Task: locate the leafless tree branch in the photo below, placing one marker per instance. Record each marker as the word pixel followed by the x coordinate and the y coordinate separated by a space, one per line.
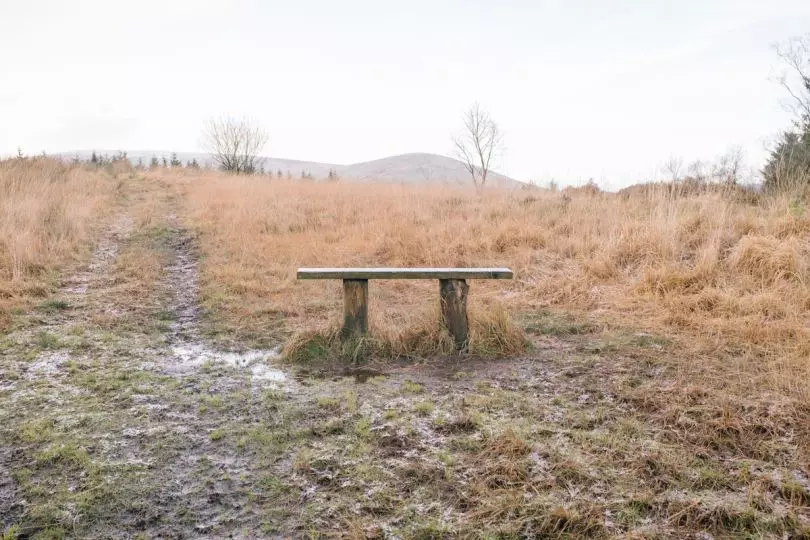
pixel 795 54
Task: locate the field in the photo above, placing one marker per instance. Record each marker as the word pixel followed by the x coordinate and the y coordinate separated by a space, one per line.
pixel 163 373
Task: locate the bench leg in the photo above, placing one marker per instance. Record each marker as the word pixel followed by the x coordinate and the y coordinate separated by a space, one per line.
pixel 453 294
pixel 355 307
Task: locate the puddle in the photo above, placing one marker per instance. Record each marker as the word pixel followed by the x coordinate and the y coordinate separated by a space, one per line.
pixel 191 356
pixel 187 352
pixel 265 373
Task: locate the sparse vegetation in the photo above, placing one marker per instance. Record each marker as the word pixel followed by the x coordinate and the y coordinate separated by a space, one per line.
pixel 48 210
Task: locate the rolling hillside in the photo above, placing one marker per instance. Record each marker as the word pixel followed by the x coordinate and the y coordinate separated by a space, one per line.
pixel 416 168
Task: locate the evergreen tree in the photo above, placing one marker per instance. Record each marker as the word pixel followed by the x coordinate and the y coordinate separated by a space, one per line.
pixel 788 165
pixel 165 162
pixel 154 164
pixel 174 161
pixel 94 158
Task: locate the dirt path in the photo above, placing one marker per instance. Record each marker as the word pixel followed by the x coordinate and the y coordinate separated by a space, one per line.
pixel 113 399
pixel 74 292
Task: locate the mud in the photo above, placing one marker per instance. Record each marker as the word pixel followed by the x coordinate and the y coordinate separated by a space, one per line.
pixel 188 351
pixel 103 256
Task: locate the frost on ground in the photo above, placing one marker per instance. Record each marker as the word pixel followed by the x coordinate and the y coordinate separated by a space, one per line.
pixel 103 256
pixel 46 364
pixel 187 358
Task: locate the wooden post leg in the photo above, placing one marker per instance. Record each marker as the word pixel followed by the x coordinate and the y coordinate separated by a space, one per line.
pixel 453 294
pixel 355 307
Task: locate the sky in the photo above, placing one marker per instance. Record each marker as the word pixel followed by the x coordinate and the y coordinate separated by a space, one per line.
pixel 602 89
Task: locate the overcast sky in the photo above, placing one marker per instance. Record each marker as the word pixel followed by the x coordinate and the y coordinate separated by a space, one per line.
pixel 607 89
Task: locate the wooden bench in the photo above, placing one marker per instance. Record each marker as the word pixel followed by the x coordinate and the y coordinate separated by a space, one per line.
pixel 453 290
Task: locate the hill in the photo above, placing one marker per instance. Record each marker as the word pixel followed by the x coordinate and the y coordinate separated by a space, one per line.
pixel 418 168
pixel 414 168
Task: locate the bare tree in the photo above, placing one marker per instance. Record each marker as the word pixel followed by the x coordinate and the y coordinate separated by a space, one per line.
pixel 729 167
pixel 234 145
pixel 697 171
pixel 478 145
pixel 795 54
pixel 673 167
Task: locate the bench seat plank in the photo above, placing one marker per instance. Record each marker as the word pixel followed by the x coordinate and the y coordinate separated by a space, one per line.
pixel 404 273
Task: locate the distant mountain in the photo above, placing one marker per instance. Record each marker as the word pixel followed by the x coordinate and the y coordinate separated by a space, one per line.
pixel 419 168
pixel 416 168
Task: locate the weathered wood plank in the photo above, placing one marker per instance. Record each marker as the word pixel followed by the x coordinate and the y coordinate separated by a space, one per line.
pixel 453 293
pixel 355 307
pixel 404 273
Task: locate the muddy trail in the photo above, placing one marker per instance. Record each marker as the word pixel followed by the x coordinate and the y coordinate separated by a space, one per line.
pixel 45 364
pixel 111 401
pixel 118 419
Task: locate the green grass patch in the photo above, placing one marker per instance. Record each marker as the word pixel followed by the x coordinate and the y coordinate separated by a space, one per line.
pixel 53 305
pixel 554 324
pixel 47 341
pixel 424 408
pixel 410 387
pixel 165 316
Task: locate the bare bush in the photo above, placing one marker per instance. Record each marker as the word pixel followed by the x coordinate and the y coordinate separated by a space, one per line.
pixel 234 145
pixel 673 167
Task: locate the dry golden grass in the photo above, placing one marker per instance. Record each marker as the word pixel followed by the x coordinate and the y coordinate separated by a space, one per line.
pixel 721 275
pixel 49 212
pixel 666 396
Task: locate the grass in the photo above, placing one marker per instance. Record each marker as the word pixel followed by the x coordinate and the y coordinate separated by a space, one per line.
pixel 54 305
pixel 720 272
pixel 424 408
pixel 643 376
pixel 48 217
pixel 697 302
pixel 45 340
pixel 492 335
